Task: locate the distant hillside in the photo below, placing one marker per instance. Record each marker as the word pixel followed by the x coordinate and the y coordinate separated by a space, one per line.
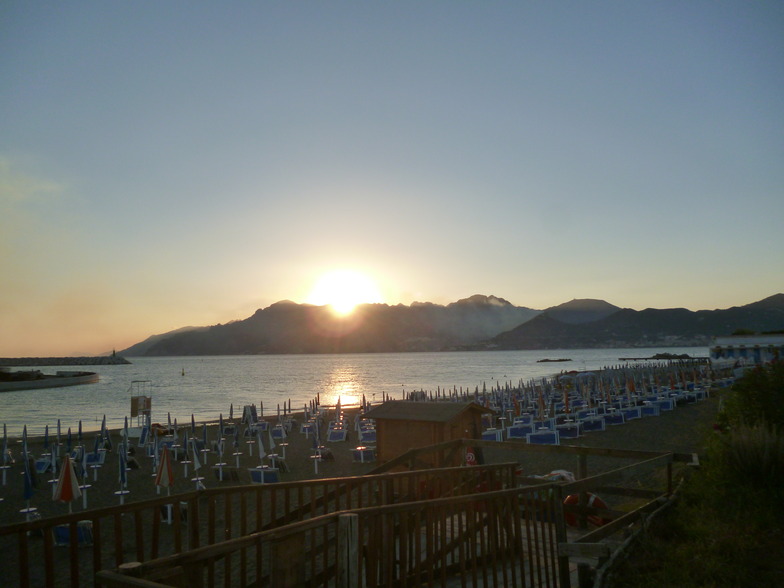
pixel 287 327
pixel 141 349
pixel 585 310
pixel 477 323
pixel 645 328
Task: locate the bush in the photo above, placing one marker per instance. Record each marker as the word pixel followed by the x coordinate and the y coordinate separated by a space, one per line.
pixel 758 397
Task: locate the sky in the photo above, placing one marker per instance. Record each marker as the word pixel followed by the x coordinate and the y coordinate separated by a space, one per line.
pixel 171 164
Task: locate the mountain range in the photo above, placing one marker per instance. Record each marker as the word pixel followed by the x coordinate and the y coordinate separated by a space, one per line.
pixel 476 323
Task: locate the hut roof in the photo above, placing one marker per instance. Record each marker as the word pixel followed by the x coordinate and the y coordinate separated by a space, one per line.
pixel 441 412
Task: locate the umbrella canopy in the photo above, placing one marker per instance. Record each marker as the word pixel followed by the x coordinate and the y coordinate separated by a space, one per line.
pixel 196 462
pixel 123 477
pixel 28 479
pixel 165 475
pixel 6 454
pixel 67 488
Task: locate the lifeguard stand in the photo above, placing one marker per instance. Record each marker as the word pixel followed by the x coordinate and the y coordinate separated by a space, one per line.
pixel 141 401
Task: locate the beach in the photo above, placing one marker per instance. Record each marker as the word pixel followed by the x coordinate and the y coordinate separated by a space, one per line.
pixel 682 430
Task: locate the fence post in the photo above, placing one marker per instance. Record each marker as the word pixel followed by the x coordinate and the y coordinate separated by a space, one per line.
pixel 561 536
pixel 348 551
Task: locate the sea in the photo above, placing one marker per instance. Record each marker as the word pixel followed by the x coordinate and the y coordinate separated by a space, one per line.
pixel 210 386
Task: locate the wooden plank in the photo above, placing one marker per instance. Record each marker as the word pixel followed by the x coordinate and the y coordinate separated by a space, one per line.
pixel 632 492
pixel 584 550
pixel 118 539
pixel 97 553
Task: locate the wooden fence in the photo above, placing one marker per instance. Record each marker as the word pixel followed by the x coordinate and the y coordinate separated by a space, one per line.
pixel 140 531
pixel 481 525
pixel 500 538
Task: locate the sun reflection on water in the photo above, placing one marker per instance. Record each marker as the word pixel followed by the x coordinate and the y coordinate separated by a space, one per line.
pixel 342 383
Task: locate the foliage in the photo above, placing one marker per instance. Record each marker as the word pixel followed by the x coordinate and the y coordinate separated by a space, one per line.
pixel 758 397
pixel 726 530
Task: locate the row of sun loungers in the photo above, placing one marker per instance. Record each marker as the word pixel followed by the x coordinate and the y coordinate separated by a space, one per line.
pixel 582 420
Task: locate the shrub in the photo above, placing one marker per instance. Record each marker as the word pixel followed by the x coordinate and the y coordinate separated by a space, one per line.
pixel 758 397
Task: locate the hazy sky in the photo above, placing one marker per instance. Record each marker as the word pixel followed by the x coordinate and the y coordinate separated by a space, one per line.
pixel 165 164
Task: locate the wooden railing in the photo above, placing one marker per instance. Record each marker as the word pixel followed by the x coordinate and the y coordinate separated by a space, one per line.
pixel 137 532
pixel 500 538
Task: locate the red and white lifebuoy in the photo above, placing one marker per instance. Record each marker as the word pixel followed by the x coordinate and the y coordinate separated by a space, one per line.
pixel 593 501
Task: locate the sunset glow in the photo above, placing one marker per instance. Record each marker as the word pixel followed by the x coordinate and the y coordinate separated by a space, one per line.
pixel 343 290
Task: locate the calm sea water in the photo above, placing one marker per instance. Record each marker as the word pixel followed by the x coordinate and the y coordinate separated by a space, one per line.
pixel 208 386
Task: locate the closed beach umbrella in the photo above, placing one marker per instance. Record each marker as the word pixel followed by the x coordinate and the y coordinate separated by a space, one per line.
pixel 68 442
pixel 196 462
pixel 46 438
pixel 262 453
pixel 67 489
pixel 123 477
pixel 231 412
pixel 27 493
pixel 220 426
pixel 79 433
pixel 165 475
pixel 6 453
pixel 193 426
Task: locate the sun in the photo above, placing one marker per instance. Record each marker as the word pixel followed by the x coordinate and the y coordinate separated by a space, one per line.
pixel 343 290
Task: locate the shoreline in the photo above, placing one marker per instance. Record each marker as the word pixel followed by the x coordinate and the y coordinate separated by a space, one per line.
pixel 55 361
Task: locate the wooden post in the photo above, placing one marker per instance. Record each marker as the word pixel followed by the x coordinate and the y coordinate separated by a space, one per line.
pixel 582 466
pixel 131 568
pixel 286 565
pixel 582 472
pixel 348 551
pixel 561 537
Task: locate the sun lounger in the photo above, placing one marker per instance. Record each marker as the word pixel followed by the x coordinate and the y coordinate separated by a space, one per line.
pixel 569 430
pixel 649 409
pixel 364 454
pixel 518 431
pixel 43 465
pixel 493 435
pixel 94 459
pixel 615 418
pixel 543 438
pixel 593 424
pixel 84 534
pixel 631 413
pixel 264 475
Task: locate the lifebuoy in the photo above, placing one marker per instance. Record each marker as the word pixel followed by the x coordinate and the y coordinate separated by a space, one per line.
pixel 593 501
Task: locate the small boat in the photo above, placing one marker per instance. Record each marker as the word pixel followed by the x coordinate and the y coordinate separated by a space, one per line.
pixel 35 379
pixel 553 360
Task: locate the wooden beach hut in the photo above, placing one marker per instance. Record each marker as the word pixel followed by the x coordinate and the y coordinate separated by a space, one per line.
pixel 404 425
